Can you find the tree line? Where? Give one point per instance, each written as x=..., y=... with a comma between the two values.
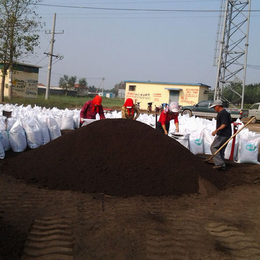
x=68, y=82
x=251, y=93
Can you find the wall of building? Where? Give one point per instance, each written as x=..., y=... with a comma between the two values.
x=121, y=93
x=190, y=95
x=159, y=93
x=59, y=92
x=24, y=82
x=146, y=93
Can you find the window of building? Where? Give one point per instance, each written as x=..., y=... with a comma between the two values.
x=132, y=87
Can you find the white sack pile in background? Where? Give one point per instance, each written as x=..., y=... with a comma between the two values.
x=246, y=145
x=36, y=126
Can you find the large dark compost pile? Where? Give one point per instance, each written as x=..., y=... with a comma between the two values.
x=116, y=157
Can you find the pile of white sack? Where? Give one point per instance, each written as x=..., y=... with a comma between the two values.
x=35, y=126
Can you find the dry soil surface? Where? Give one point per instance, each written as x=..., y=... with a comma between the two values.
x=211, y=224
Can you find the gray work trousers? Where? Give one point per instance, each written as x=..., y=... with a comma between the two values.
x=219, y=158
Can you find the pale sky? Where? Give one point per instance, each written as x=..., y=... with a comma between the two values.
x=156, y=40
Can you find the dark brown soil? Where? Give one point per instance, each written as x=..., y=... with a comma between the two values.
x=116, y=157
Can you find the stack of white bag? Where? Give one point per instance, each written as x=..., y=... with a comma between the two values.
x=28, y=126
x=198, y=132
x=36, y=126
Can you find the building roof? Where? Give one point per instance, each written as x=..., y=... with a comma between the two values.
x=78, y=86
x=177, y=89
x=167, y=83
x=24, y=64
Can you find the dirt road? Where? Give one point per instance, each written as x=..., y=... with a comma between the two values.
x=43, y=224
x=37, y=223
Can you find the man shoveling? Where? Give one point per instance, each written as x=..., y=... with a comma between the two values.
x=222, y=134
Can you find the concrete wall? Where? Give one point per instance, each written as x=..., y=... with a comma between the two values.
x=24, y=81
x=121, y=93
x=60, y=92
x=159, y=93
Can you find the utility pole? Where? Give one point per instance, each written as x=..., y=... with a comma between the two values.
x=50, y=54
x=233, y=46
x=103, y=80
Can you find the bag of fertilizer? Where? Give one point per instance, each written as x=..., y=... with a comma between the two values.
x=76, y=118
x=17, y=137
x=4, y=139
x=88, y=121
x=45, y=131
x=182, y=139
x=196, y=142
x=207, y=140
x=228, y=149
x=53, y=127
x=33, y=133
x=67, y=122
x=2, y=151
x=56, y=114
x=248, y=149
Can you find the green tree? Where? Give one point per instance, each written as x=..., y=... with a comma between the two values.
x=92, y=89
x=83, y=82
x=19, y=25
x=231, y=93
x=67, y=83
x=252, y=92
x=118, y=86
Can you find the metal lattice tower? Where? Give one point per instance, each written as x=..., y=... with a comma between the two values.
x=232, y=47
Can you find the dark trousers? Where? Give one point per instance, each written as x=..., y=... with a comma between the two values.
x=219, y=158
x=159, y=127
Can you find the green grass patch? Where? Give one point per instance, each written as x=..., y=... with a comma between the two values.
x=63, y=102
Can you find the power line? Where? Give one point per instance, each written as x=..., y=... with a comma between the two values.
x=155, y=2
x=41, y=60
x=134, y=9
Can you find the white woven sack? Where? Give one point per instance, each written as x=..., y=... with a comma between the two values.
x=208, y=139
x=229, y=148
x=183, y=140
x=88, y=121
x=17, y=137
x=4, y=139
x=44, y=130
x=67, y=122
x=2, y=151
x=248, y=149
x=53, y=127
x=196, y=142
x=33, y=133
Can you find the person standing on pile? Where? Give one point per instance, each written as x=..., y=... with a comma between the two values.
x=222, y=134
x=91, y=108
x=170, y=113
x=129, y=110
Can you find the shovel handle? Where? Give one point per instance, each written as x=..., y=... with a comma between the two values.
x=251, y=119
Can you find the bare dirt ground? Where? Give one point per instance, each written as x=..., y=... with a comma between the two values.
x=37, y=223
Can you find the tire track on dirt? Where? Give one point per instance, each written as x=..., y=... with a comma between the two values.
x=168, y=237
x=50, y=237
x=47, y=216
x=234, y=241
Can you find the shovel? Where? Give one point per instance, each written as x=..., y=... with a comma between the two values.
x=251, y=119
x=177, y=135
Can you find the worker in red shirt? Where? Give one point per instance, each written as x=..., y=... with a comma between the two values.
x=170, y=113
x=91, y=108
